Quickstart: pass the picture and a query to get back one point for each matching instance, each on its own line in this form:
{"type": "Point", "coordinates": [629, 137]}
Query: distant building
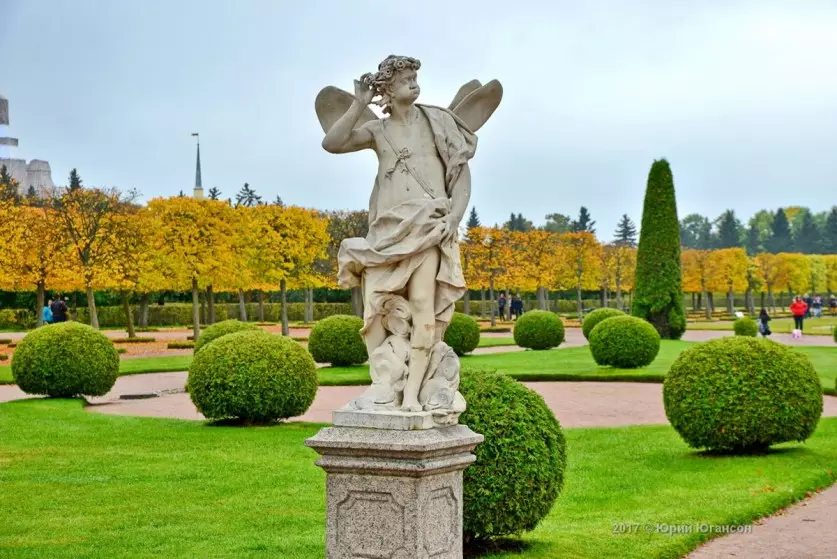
{"type": "Point", "coordinates": [36, 173]}
{"type": "Point", "coordinates": [198, 190]}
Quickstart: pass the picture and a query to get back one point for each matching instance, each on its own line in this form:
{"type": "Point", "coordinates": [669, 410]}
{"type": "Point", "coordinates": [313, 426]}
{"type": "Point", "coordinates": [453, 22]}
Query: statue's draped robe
{"type": "Point", "coordinates": [400, 237]}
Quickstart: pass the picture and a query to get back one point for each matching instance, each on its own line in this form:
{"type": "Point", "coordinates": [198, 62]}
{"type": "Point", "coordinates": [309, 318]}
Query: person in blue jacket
{"type": "Point", "coordinates": [46, 313]}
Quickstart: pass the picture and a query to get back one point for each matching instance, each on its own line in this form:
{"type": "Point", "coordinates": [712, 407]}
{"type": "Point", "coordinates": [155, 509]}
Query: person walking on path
{"type": "Point", "coordinates": [798, 308]}
{"type": "Point", "coordinates": [59, 310]}
{"type": "Point", "coordinates": [764, 318]}
{"type": "Point", "coordinates": [46, 313]}
{"type": "Point", "coordinates": [817, 304]}
{"type": "Point", "coordinates": [502, 304]}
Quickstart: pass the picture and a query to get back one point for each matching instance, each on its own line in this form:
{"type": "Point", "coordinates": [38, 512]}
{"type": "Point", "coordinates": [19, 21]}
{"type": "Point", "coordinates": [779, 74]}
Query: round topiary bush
{"type": "Point", "coordinates": [519, 470]}
{"type": "Point", "coordinates": [746, 327]}
{"type": "Point", "coordinates": [252, 376]}
{"type": "Point", "coordinates": [538, 330]}
{"type": "Point", "coordinates": [462, 334]}
{"type": "Point", "coordinates": [741, 394]}
{"type": "Point", "coordinates": [625, 342]}
{"type": "Point", "coordinates": [337, 340]}
{"type": "Point", "coordinates": [65, 360]}
{"type": "Point", "coordinates": [215, 331]}
{"type": "Point", "coordinates": [598, 315]}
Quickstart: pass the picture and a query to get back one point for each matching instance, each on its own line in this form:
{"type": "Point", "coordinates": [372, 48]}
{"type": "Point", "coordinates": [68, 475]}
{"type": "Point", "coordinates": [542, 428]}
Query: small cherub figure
{"type": "Point", "coordinates": [420, 196]}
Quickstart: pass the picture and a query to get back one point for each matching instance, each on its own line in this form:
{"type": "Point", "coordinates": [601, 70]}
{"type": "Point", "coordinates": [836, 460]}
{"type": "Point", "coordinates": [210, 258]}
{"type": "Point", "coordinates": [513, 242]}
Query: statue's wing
{"type": "Point", "coordinates": [332, 103]}
{"type": "Point", "coordinates": [463, 92]}
{"type": "Point", "coordinates": [478, 106]}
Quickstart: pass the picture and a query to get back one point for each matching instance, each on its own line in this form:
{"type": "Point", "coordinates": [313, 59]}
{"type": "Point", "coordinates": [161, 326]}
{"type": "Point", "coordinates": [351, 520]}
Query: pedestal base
{"type": "Point", "coordinates": [394, 494]}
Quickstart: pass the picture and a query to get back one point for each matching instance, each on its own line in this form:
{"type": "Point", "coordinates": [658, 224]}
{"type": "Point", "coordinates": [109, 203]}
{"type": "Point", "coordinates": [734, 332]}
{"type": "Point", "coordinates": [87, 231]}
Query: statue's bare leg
{"type": "Point", "coordinates": [422, 296]}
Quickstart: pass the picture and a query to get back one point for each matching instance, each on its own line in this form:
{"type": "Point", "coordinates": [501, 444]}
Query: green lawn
{"type": "Point", "coordinates": [573, 363]}
{"type": "Point", "coordinates": [182, 362]}
{"type": "Point", "coordinates": [576, 363]}
{"type": "Point", "coordinates": [79, 484]}
{"type": "Point", "coordinates": [812, 326]}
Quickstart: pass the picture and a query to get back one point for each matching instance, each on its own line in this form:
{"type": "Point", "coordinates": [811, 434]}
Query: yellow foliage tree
{"type": "Point", "coordinates": [195, 238]}
{"type": "Point", "coordinates": [728, 272]}
{"type": "Point", "coordinates": [618, 270]}
{"type": "Point", "coordinates": [582, 260]}
{"type": "Point", "coordinates": [696, 275]}
{"type": "Point", "coordinates": [770, 272]}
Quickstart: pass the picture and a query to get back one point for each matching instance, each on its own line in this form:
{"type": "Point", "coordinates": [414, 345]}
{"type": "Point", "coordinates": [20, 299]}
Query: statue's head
{"type": "Point", "coordinates": [395, 80]}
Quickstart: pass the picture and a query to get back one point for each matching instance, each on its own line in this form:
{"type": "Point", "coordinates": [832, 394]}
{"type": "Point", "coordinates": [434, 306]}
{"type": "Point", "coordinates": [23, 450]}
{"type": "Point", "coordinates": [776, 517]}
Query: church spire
{"type": "Point", "coordinates": [198, 193]}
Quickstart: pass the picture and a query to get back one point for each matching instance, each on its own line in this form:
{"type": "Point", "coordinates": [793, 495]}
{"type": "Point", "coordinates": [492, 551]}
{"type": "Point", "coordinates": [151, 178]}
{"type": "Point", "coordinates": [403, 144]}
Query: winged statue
{"type": "Point", "coordinates": [408, 264]}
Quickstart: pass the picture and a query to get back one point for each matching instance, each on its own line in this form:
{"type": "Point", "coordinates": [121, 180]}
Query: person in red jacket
{"type": "Point", "coordinates": [798, 308]}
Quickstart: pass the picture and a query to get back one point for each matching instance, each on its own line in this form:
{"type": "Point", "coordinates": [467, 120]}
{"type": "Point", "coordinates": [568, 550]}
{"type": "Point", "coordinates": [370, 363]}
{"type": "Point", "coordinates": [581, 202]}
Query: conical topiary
{"type": "Point", "coordinates": [659, 284]}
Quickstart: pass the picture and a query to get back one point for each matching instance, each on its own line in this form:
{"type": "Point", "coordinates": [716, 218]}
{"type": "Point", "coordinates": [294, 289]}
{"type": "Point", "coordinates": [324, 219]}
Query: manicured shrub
{"type": "Point", "coordinates": [592, 319]}
{"type": "Point", "coordinates": [337, 340]}
{"type": "Point", "coordinates": [519, 470]}
{"type": "Point", "coordinates": [496, 329]}
{"type": "Point", "coordinates": [746, 327]}
{"type": "Point", "coordinates": [4, 357]}
{"type": "Point", "coordinates": [462, 334]}
{"type": "Point", "coordinates": [121, 350]}
{"type": "Point", "coordinates": [740, 394]}
{"type": "Point", "coordinates": [222, 329]}
{"type": "Point", "coordinates": [659, 285]}
{"type": "Point", "coordinates": [5, 341]}
{"type": "Point", "coordinates": [134, 340]}
{"type": "Point", "coordinates": [538, 330]}
{"type": "Point", "coordinates": [65, 360]}
{"type": "Point", "coordinates": [625, 342]}
{"type": "Point", "coordinates": [252, 376]}
{"type": "Point", "coordinates": [181, 345]}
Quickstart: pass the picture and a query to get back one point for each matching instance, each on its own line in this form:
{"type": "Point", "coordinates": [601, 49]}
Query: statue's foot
{"type": "Point", "coordinates": [411, 405]}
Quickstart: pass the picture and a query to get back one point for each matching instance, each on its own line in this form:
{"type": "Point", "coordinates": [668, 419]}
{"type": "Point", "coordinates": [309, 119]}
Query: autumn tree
{"type": "Point", "coordinates": [195, 237]}
{"type": "Point", "coordinates": [343, 225]}
{"type": "Point", "coordinates": [696, 276]}
{"type": "Point", "coordinates": [770, 272]}
{"type": "Point", "coordinates": [659, 293]}
{"type": "Point", "coordinates": [728, 273]}
{"type": "Point", "coordinates": [583, 257]}
{"type": "Point", "coordinates": [618, 269]}
{"type": "Point", "coordinates": [87, 219]}
{"type": "Point", "coordinates": [541, 257]}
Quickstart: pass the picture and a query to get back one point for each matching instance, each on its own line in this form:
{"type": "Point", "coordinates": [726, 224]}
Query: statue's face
{"type": "Point", "coordinates": [405, 88]}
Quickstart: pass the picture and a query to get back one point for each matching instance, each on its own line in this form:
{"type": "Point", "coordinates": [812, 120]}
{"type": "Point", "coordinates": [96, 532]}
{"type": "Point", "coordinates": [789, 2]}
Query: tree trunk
{"type": "Point", "coordinates": [357, 302]}
{"type": "Point", "coordinates": [129, 314]}
{"type": "Point", "coordinates": [91, 308]}
{"type": "Point", "coordinates": [731, 301]}
{"type": "Point", "coordinates": [578, 304]}
{"type": "Point", "coordinates": [39, 303]}
{"type": "Point", "coordinates": [482, 302]}
{"type": "Point", "coordinates": [770, 299]}
{"type": "Point", "coordinates": [210, 304]}
{"type": "Point", "coordinates": [749, 301]}
{"type": "Point", "coordinates": [74, 307]}
{"type": "Point", "coordinates": [242, 308]}
{"type": "Point", "coordinates": [710, 301]}
{"type": "Point", "coordinates": [699, 304]}
{"type": "Point", "coordinates": [762, 297]}
{"type": "Point", "coordinates": [261, 305]}
{"type": "Point", "coordinates": [541, 298]}
{"type": "Point", "coordinates": [466, 302]}
{"type": "Point", "coordinates": [284, 292]}
{"type": "Point", "coordinates": [707, 304]}
{"type": "Point", "coordinates": [309, 305]}
{"type": "Point", "coordinates": [604, 298]}
{"type": "Point", "coordinates": [196, 317]}
{"type": "Point", "coordinates": [143, 322]}
{"type": "Point", "coordinates": [694, 302]}
{"type": "Point", "coordinates": [491, 298]}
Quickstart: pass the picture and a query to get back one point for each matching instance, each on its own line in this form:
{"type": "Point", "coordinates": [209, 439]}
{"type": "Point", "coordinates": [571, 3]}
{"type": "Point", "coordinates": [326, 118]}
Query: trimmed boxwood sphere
{"type": "Point", "coordinates": [222, 328]}
{"type": "Point", "coordinates": [519, 470]}
{"type": "Point", "coordinates": [741, 393]}
{"type": "Point", "coordinates": [625, 342]}
{"type": "Point", "coordinates": [538, 330]}
{"type": "Point", "coordinates": [252, 376]}
{"type": "Point", "coordinates": [746, 327]}
{"type": "Point", "coordinates": [592, 319]}
{"type": "Point", "coordinates": [462, 334]}
{"type": "Point", "coordinates": [337, 340]}
{"type": "Point", "coordinates": [65, 360]}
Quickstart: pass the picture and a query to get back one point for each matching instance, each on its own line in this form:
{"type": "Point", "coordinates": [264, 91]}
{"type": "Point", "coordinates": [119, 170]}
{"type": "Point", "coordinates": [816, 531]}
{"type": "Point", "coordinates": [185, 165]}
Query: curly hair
{"type": "Point", "coordinates": [382, 80]}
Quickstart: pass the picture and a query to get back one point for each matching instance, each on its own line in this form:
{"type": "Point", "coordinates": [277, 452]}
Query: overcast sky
{"type": "Point", "coordinates": [740, 97]}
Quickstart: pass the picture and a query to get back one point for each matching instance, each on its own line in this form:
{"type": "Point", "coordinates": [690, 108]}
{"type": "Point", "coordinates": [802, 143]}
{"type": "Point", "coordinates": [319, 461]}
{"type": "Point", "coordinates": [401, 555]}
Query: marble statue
{"type": "Point", "coordinates": [408, 265]}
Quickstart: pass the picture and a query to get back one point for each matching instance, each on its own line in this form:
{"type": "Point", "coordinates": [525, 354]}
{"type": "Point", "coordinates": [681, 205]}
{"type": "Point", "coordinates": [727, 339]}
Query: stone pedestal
{"type": "Point", "coordinates": [395, 492]}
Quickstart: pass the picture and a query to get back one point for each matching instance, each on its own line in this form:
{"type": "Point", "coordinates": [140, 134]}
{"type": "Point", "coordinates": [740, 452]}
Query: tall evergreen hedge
{"type": "Point", "coordinates": [659, 282]}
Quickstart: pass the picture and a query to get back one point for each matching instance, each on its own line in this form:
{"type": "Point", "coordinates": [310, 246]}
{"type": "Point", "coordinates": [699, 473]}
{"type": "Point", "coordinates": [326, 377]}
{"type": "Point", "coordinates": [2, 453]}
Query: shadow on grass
{"type": "Point", "coordinates": [750, 451]}
{"type": "Point", "coordinates": [501, 545]}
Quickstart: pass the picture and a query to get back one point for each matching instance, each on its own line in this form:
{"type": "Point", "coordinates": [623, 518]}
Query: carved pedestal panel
{"type": "Point", "coordinates": [394, 494]}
